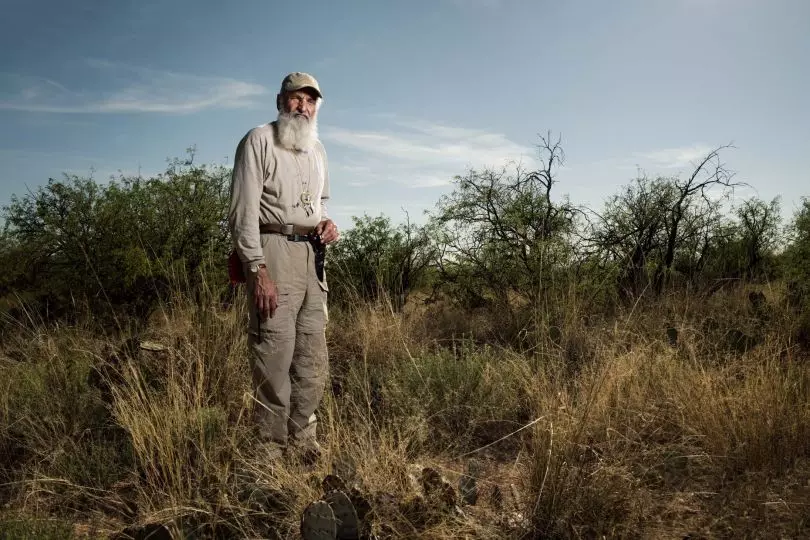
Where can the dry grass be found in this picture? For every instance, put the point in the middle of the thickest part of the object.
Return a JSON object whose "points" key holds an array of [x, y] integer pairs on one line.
{"points": [[591, 428]]}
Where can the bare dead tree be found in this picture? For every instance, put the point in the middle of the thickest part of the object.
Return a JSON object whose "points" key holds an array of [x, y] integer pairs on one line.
{"points": [[709, 173], [655, 226]]}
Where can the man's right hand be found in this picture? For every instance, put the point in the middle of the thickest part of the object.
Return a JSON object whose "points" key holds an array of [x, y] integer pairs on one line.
{"points": [[265, 294]]}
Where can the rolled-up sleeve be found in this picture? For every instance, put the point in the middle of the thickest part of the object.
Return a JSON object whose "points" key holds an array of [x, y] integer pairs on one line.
{"points": [[247, 183]]}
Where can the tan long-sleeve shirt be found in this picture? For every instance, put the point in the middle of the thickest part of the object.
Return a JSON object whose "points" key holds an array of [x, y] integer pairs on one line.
{"points": [[266, 187]]}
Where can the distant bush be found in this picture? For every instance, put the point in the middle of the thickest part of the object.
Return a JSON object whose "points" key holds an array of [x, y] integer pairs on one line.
{"points": [[797, 255], [77, 244], [375, 259]]}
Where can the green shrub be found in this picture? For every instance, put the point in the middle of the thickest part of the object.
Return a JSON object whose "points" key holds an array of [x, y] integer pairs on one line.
{"points": [[375, 260], [80, 246]]}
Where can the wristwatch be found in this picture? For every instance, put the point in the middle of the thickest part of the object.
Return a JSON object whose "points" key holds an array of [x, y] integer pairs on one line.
{"points": [[254, 268]]}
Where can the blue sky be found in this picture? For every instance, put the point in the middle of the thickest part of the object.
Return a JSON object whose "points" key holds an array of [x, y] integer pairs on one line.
{"points": [[416, 92]]}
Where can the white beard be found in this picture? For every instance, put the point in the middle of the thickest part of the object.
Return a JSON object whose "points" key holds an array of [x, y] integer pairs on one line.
{"points": [[296, 132]]}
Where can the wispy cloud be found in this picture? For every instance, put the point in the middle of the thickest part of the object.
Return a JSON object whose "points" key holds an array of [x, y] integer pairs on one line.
{"points": [[675, 158], [133, 90], [423, 154], [661, 161], [346, 210]]}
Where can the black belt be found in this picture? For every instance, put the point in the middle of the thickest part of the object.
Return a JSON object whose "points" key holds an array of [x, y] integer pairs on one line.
{"points": [[294, 233]]}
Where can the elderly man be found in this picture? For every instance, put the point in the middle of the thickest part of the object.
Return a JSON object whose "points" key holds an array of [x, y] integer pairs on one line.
{"points": [[279, 224]]}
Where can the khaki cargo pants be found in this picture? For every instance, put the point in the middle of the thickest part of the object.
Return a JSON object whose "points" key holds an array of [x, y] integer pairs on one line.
{"points": [[288, 354]]}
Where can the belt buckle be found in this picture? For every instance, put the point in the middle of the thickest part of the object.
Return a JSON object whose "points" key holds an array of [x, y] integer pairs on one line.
{"points": [[287, 229]]}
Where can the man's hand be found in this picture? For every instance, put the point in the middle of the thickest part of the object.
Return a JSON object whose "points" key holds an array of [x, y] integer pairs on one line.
{"points": [[328, 231], [265, 295]]}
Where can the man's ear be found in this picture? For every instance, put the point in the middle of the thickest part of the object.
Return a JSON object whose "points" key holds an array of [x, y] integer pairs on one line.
{"points": [[278, 102]]}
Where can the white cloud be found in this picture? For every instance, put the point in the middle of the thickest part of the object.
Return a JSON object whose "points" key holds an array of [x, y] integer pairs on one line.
{"points": [[423, 154], [351, 168], [435, 144], [675, 158], [346, 210], [427, 181], [136, 90]]}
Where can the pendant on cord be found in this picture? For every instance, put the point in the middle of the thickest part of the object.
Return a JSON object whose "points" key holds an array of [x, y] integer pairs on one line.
{"points": [[306, 202]]}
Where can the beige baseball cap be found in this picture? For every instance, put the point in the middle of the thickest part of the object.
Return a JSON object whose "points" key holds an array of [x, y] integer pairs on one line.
{"points": [[298, 80]]}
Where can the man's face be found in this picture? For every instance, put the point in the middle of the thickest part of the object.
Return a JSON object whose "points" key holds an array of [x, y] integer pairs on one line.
{"points": [[300, 103]]}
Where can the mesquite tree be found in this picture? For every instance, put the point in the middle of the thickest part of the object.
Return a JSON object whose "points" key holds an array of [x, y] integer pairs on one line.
{"points": [[499, 232]]}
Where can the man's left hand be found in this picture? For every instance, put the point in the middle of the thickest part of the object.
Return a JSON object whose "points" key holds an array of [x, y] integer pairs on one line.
{"points": [[328, 231]]}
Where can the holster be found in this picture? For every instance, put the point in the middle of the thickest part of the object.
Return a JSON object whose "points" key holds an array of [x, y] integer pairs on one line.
{"points": [[320, 254]]}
